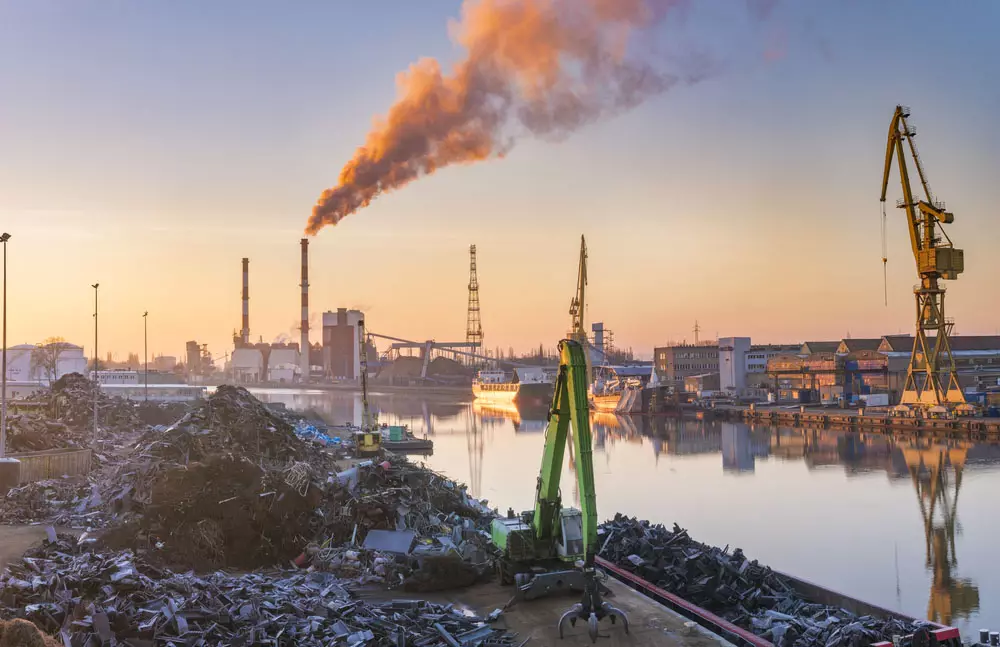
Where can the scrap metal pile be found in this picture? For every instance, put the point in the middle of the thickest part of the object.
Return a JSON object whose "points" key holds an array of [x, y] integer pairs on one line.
{"points": [[231, 485], [88, 597], [63, 417], [736, 588]]}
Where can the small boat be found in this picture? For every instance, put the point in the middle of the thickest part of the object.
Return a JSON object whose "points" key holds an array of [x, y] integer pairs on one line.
{"points": [[399, 439]]}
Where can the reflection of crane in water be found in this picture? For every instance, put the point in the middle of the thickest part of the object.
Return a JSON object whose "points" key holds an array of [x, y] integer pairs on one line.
{"points": [[949, 597], [474, 441]]}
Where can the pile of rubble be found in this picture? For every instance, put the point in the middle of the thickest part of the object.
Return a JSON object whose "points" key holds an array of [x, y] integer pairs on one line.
{"points": [[71, 400], [230, 421], [29, 432], [732, 586], [87, 598], [63, 417], [231, 485], [53, 500]]}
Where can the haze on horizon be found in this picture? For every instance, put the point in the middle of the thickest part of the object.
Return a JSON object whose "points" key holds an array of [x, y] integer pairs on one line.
{"points": [[151, 146]]}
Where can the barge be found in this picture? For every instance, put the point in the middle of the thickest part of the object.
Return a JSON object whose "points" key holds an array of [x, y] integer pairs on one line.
{"points": [[938, 634]]}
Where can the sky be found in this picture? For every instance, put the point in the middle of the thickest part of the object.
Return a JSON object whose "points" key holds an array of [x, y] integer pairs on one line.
{"points": [[148, 147]]}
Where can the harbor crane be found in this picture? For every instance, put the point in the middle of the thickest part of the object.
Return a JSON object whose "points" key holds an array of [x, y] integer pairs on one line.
{"points": [[931, 377], [578, 309]]}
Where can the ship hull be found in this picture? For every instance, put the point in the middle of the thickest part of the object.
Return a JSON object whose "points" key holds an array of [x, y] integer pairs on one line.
{"points": [[605, 402], [521, 394]]}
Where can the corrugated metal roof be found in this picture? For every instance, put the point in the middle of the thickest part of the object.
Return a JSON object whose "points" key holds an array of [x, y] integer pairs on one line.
{"points": [[904, 343], [854, 345], [820, 347]]}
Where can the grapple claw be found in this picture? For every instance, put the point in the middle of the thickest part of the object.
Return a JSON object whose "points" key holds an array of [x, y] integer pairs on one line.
{"points": [[593, 609], [572, 614]]}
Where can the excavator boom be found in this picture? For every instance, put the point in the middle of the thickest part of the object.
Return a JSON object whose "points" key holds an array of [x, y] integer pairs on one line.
{"points": [[570, 408]]}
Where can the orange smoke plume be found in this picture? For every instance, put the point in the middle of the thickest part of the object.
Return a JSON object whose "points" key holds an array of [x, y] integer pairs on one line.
{"points": [[549, 66]]}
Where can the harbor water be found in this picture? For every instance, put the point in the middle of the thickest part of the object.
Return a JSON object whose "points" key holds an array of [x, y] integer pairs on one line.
{"points": [[906, 524]]}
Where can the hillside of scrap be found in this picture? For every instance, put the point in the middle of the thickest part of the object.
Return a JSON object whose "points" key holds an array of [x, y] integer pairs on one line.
{"points": [[225, 527]]}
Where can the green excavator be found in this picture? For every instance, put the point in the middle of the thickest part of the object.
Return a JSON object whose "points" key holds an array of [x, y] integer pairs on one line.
{"points": [[552, 548]]}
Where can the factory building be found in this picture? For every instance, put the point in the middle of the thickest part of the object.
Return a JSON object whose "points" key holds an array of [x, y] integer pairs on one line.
{"points": [[341, 355], [40, 364], [283, 363], [828, 371], [247, 365], [733, 353], [674, 363], [977, 359]]}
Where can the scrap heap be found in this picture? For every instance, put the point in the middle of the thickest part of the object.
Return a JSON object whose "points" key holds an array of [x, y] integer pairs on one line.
{"points": [[87, 598], [230, 485], [739, 590], [64, 417]]}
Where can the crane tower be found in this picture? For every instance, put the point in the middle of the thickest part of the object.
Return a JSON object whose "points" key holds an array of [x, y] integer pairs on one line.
{"points": [[931, 378], [474, 325]]}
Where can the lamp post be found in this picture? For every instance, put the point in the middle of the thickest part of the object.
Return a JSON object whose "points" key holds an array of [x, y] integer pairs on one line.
{"points": [[97, 383], [3, 398], [145, 356]]}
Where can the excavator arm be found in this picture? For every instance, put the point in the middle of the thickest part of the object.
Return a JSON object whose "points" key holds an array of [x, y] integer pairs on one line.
{"points": [[570, 408]]}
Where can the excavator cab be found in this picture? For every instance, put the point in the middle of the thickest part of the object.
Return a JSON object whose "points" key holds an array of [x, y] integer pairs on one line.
{"points": [[570, 548]]}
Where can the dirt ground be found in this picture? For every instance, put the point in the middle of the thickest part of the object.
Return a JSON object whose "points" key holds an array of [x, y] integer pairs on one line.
{"points": [[650, 622]]}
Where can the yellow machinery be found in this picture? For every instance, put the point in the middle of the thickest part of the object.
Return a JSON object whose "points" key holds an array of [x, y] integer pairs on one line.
{"points": [[368, 440], [931, 378]]}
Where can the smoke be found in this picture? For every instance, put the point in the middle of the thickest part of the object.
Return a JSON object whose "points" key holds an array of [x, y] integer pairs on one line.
{"points": [[547, 66]]}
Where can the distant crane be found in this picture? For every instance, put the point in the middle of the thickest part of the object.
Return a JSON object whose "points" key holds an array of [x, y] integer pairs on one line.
{"points": [[931, 378], [474, 325], [578, 308], [579, 303]]}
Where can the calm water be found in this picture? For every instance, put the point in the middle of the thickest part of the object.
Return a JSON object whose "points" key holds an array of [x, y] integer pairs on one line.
{"points": [[905, 524]]}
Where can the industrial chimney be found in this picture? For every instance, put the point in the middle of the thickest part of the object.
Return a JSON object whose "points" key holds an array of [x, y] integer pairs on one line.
{"points": [[245, 331], [304, 345]]}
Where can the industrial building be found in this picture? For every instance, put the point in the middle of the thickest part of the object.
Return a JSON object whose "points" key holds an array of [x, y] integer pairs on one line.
{"points": [[674, 363], [43, 364], [341, 352], [827, 371]]}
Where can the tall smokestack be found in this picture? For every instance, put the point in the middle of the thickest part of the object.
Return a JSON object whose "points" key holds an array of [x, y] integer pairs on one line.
{"points": [[304, 346], [245, 331]]}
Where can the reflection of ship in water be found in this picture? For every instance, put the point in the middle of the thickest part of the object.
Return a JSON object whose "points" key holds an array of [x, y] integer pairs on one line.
{"points": [[525, 418]]}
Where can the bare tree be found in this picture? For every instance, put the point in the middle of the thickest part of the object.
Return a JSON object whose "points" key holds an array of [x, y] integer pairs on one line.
{"points": [[45, 358]]}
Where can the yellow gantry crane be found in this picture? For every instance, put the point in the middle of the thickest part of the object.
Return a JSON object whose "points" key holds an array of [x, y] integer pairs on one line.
{"points": [[931, 378]]}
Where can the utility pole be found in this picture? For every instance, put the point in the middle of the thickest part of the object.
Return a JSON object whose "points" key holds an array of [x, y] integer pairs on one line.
{"points": [[97, 383], [145, 355], [3, 423]]}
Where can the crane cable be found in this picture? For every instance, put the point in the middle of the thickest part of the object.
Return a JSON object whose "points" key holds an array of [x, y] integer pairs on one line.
{"points": [[885, 280]]}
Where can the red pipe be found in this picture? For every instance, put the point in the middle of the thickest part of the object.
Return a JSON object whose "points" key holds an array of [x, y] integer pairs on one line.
{"points": [[695, 610]]}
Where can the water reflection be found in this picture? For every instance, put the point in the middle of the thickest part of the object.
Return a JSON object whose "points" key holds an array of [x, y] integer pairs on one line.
{"points": [[502, 448]]}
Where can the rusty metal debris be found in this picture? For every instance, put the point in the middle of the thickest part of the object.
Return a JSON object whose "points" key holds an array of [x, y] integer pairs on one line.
{"points": [[740, 590], [89, 597], [230, 484]]}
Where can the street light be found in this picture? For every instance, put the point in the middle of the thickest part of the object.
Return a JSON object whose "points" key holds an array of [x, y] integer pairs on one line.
{"points": [[97, 383], [3, 407], [145, 355]]}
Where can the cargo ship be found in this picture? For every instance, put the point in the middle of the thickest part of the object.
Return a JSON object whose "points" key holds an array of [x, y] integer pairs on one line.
{"points": [[529, 386]]}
